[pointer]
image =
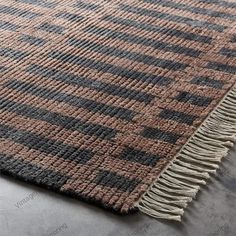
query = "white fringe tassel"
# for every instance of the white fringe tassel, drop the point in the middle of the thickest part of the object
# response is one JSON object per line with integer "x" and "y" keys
{"x": 179, "y": 183}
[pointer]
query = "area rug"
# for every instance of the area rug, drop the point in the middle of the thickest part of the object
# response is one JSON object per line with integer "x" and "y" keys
{"x": 127, "y": 104}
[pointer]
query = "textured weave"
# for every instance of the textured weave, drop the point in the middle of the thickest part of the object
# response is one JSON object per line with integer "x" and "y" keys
{"x": 96, "y": 97}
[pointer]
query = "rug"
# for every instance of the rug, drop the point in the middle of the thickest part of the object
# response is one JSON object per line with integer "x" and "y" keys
{"x": 129, "y": 105}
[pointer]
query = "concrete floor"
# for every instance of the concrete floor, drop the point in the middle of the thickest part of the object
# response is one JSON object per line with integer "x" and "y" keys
{"x": 26, "y": 210}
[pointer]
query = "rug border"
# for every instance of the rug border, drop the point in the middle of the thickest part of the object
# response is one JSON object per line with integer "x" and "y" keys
{"x": 179, "y": 182}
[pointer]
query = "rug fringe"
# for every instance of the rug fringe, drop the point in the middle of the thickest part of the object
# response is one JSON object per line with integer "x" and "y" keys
{"x": 180, "y": 181}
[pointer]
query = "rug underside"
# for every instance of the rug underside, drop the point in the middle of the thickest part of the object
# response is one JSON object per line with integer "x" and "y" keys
{"x": 129, "y": 105}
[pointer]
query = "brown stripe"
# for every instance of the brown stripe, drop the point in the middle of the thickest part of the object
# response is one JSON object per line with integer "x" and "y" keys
{"x": 67, "y": 110}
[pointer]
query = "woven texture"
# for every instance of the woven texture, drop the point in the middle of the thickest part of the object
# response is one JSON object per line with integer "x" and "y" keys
{"x": 96, "y": 97}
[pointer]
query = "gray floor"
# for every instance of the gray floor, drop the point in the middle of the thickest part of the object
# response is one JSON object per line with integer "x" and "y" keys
{"x": 28, "y": 210}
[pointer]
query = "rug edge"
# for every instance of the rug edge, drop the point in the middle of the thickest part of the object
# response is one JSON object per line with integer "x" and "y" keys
{"x": 178, "y": 184}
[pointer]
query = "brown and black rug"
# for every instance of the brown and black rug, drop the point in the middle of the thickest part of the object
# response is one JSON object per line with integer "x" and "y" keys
{"x": 127, "y": 104}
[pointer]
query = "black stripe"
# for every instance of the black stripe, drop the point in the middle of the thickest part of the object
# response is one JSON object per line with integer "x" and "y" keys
{"x": 113, "y": 180}
{"x": 233, "y": 39}
{"x": 45, "y": 145}
{"x": 197, "y": 10}
{"x": 206, "y": 81}
{"x": 30, "y": 172}
{"x": 2, "y": 69}
{"x": 51, "y": 28}
{"x": 54, "y": 118}
{"x": 86, "y": 5}
{"x": 174, "y": 18}
{"x": 32, "y": 40}
{"x": 155, "y": 133}
{"x": 120, "y": 53}
{"x": 41, "y": 3}
{"x": 70, "y": 16}
{"x": 100, "y": 86}
{"x": 159, "y": 29}
{"x": 90, "y": 105}
{"x": 228, "y": 52}
{"x": 8, "y": 26}
{"x": 177, "y": 116}
{"x": 193, "y": 99}
{"x": 14, "y": 54}
{"x": 159, "y": 45}
{"x": 220, "y": 3}
{"x": 110, "y": 68}
{"x": 222, "y": 67}
{"x": 138, "y": 156}
{"x": 18, "y": 12}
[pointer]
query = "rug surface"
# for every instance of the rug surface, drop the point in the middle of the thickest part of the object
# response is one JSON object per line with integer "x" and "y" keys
{"x": 98, "y": 97}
